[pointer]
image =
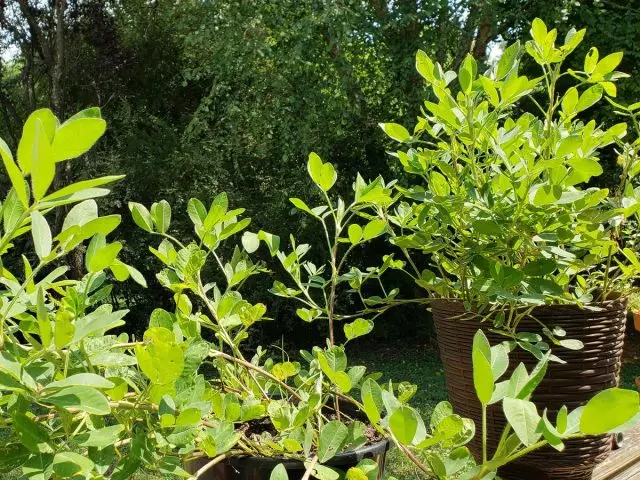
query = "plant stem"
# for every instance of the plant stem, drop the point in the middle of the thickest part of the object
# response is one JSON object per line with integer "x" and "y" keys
{"x": 202, "y": 470}
{"x": 307, "y": 474}
{"x": 251, "y": 366}
{"x": 484, "y": 433}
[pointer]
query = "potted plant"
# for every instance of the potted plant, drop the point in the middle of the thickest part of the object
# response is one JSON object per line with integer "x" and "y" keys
{"x": 298, "y": 415}
{"x": 509, "y": 231}
{"x": 78, "y": 401}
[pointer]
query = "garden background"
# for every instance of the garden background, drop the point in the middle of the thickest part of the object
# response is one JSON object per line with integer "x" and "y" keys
{"x": 209, "y": 96}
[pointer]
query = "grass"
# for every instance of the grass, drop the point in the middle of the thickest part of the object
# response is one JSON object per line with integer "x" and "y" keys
{"x": 415, "y": 364}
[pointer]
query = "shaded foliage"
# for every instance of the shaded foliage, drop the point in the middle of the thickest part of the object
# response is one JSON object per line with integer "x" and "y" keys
{"x": 237, "y": 92}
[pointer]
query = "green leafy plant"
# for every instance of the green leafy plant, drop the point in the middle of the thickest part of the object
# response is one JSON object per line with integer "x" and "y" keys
{"x": 503, "y": 209}
{"x": 80, "y": 402}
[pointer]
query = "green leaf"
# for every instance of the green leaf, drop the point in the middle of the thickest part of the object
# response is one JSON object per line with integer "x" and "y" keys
{"x": 538, "y": 31}
{"x": 332, "y": 438}
{"x": 17, "y": 180}
{"x": 12, "y": 211}
{"x": 101, "y": 437}
{"x": 609, "y": 410}
{"x": 83, "y": 187}
{"x": 76, "y": 136}
{"x": 523, "y": 418}
{"x": 589, "y": 97}
{"x": 374, "y": 228}
{"x": 72, "y": 465}
{"x": 572, "y": 344}
{"x": 323, "y": 174}
{"x": 98, "y": 321}
{"x": 404, "y": 424}
{"x": 279, "y": 473}
{"x": 141, "y": 216}
{"x": 591, "y": 60}
{"x": 161, "y": 214}
{"x": 28, "y": 142}
{"x": 86, "y": 399}
{"x": 31, "y": 435}
{"x": 64, "y": 331}
{"x": 104, "y": 257}
{"x": 81, "y": 380}
{"x": 43, "y": 169}
{"x": 536, "y": 376}
{"x": 355, "y": 233}
{"x": 561, "y": 420}
{"x": 357, "y": 328}
{"x": 482, "y": 377}
{"x": 250, "y": 241}
{"x": 396, "y": 131}
{"x": 439, "y": 184}
{"x": 41, "y": 235}
{"x": 371, "y": 394}
{"x": 499, "y": 360}
{"x": 44, "y": 325}
{"x": 508, "y": 60}
{"x": 569, "y": 145}
{"x": 608, "y": 64}
{"x": 424, "y": 65}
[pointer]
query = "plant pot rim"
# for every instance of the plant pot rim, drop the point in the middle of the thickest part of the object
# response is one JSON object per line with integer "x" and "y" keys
{"x": 346, "y": 458}
{"x": 613, "y": 303}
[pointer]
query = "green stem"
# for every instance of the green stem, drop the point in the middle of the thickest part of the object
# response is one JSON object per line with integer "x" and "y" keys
{"x": 484, "y": 433}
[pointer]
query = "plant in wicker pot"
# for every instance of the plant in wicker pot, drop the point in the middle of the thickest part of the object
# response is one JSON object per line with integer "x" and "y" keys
{"x": 510, "y": 234}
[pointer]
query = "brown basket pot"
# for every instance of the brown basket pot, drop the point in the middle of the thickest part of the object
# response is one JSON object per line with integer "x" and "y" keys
{"x": 594, "y": 368}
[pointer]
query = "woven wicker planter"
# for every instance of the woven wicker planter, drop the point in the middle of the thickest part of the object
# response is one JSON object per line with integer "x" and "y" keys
{"x": 587, "y": 371}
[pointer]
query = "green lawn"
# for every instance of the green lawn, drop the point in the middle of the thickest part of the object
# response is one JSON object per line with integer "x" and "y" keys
{"x": 417, "y": 365}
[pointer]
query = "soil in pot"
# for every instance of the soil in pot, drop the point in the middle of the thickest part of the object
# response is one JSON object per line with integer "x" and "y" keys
{"x": 594, "y": 368}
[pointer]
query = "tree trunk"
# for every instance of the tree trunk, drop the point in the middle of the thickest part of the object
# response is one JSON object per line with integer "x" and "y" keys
{"x": 57, "y": 97}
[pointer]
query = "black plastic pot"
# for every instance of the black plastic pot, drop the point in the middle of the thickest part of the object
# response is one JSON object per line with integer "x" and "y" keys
{"x": 259, "y": 468}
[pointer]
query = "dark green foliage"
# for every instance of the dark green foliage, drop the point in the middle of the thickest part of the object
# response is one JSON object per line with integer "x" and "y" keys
{"x": 238, "y": 92}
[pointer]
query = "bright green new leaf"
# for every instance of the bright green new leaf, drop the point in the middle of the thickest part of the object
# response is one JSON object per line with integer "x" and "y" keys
{"x": 161, "y": 215}
{"x": 43, "y": 168}
{"x": 41, "y": 235}
{"x": 104, "y": 257}
{"x": 373, "y": 228}
{"x": 44, "y": 325}
{"x": 17, "y": 180}
{"x": 591, "y": 60}
{"x": 27, "y": 146}
{"x": 396, "y": 131}
{"x": 482, "y": 377}
{"x": 323, "y": 174}
{"x": 141, "y": 216}
{"x": 76, "y": 136}
{"x": 357, "y": 328}
{"x": 355, "y": 233}
{"x": 404, "y": 424}
{"x": 589, "y": 97}
{"x": 608, "y": 64}
{"x": 609, "y": 410}
{"x": 424, "y": 65}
